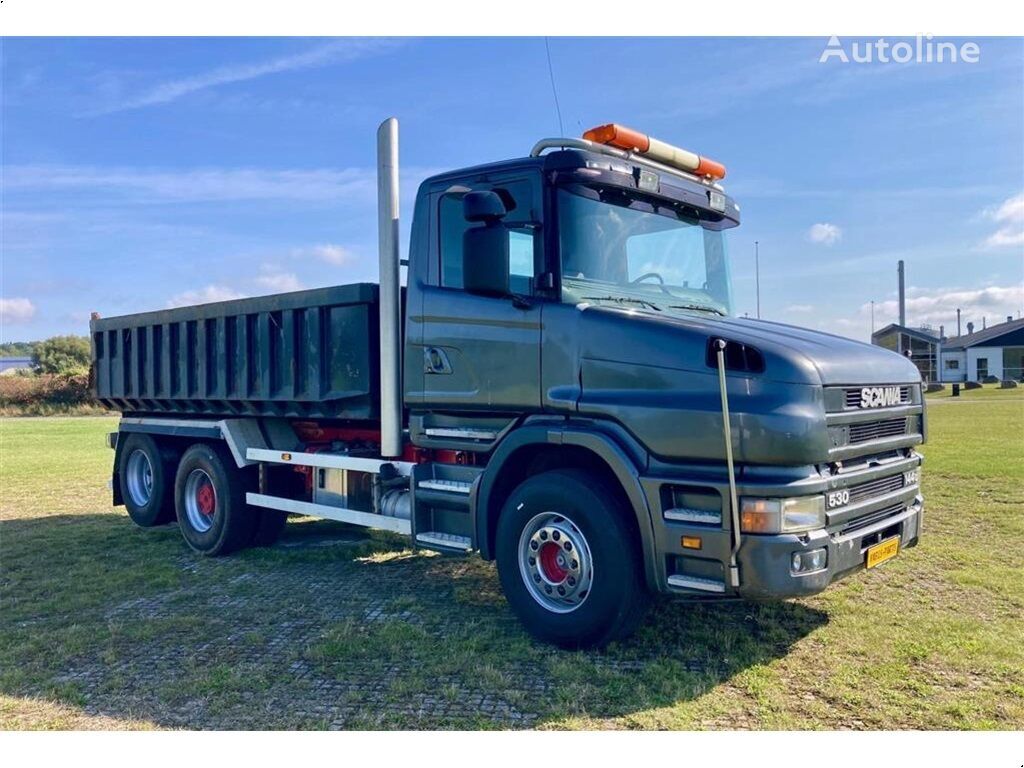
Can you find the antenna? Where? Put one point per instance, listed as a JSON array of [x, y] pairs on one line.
[[757, 277], [554, 89]]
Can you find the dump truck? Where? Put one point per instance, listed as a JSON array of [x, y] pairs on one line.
[[562, 386]]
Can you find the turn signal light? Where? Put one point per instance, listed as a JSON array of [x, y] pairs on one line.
[[620, 136]]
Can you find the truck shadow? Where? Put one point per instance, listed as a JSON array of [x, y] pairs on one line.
[[333, 628]]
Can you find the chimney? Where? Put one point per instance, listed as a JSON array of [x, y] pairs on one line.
[[903, 295], [1009, 318], [970, 328], [958, 321], [942, 331], [983, 322]]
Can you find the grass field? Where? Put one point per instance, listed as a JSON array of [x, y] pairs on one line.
[[103, 625]]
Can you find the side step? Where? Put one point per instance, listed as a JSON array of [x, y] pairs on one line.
[[441, 495], [434, 539], [450, 486], [679, 581]]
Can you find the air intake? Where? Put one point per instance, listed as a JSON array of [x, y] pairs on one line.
[[738, 357]]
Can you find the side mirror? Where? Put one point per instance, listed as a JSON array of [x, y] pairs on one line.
[[485, 206], [485, 250]]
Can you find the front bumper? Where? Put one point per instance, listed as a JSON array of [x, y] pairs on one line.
[[765, 561]]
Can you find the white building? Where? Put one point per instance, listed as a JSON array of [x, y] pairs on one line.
[[995, 351]]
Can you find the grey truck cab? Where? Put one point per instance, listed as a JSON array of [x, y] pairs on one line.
[[577, 400]]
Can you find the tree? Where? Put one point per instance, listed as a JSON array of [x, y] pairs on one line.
[[62, 355]]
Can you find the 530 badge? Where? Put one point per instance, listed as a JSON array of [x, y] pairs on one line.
[[837, 498]]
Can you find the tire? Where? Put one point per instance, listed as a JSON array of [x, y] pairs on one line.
[[145, 474], [269, 525], [573, 527], [209, 498]]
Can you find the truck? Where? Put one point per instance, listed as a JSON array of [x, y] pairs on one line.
[[562, 386]]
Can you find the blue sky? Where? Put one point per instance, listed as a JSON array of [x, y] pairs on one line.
[[143, 173]]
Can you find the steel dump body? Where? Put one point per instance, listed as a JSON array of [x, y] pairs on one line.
[[304, 354]]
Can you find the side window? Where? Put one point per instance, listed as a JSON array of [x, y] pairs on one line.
[[520, 238], [452, 228]]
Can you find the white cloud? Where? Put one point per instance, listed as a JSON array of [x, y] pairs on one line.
[[333, 254], [824, 234], [800, 309], [938, 307], [16, 311], [1009, 216], [205, 295], [332, 53], [145, 185], [276, 281]]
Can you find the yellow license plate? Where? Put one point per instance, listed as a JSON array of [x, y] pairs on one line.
[[879, 553]]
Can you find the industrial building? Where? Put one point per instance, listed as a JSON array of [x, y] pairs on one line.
[[996, 351], [993, 352]]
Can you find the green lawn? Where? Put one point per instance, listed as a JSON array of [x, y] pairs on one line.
[[985, 393], [103, 625]]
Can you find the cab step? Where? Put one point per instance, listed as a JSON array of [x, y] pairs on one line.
[[681, 581], [438, 540], [449, 486], [441, 498]]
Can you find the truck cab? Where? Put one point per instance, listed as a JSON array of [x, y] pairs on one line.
[[579, 402]]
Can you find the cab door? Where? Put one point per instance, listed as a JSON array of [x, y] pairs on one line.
[[481, 354]]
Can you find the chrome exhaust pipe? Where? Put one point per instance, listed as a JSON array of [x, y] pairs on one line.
[[390, 291]]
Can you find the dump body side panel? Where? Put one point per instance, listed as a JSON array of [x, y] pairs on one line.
[[304, 354]]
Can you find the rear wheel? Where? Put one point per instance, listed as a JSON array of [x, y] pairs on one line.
[[569, 562], [209, 498], [145, 474]]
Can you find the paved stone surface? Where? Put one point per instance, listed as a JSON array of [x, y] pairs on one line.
[[246, 632], [335, 630]]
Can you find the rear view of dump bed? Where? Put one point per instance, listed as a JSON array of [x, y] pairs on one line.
[[304, 354]]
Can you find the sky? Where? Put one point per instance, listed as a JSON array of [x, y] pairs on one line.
[[144, 173]]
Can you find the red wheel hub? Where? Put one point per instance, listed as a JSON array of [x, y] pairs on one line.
[[206, 499], [552, 563]]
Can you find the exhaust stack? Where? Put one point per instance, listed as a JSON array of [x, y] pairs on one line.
[[390, 292], [903, 296]]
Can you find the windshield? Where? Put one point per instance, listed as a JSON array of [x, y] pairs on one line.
[[618, 248]]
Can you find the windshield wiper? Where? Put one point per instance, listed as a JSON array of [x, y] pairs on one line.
[[623, 299], [698, 308]]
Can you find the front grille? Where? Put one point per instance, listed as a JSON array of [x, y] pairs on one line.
[[870, 518], [876, 430], [875, 488], [852, 397]]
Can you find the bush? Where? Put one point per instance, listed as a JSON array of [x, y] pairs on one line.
[[62, 356], [46, 394]]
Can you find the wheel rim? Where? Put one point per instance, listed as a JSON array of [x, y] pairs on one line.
[[200, 500], [139, 478], [555, 562]]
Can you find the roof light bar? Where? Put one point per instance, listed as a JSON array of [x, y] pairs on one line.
[[620, 136]]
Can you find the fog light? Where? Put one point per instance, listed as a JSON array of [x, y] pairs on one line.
[[811, 560]]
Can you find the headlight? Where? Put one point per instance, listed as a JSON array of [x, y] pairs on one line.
[[802, 513]]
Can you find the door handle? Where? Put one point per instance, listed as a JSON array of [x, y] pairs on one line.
[[435, 361]]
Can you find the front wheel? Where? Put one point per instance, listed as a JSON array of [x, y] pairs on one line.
[[569, 560]]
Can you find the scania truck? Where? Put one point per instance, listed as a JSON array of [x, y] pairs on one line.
[[562, 386]]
